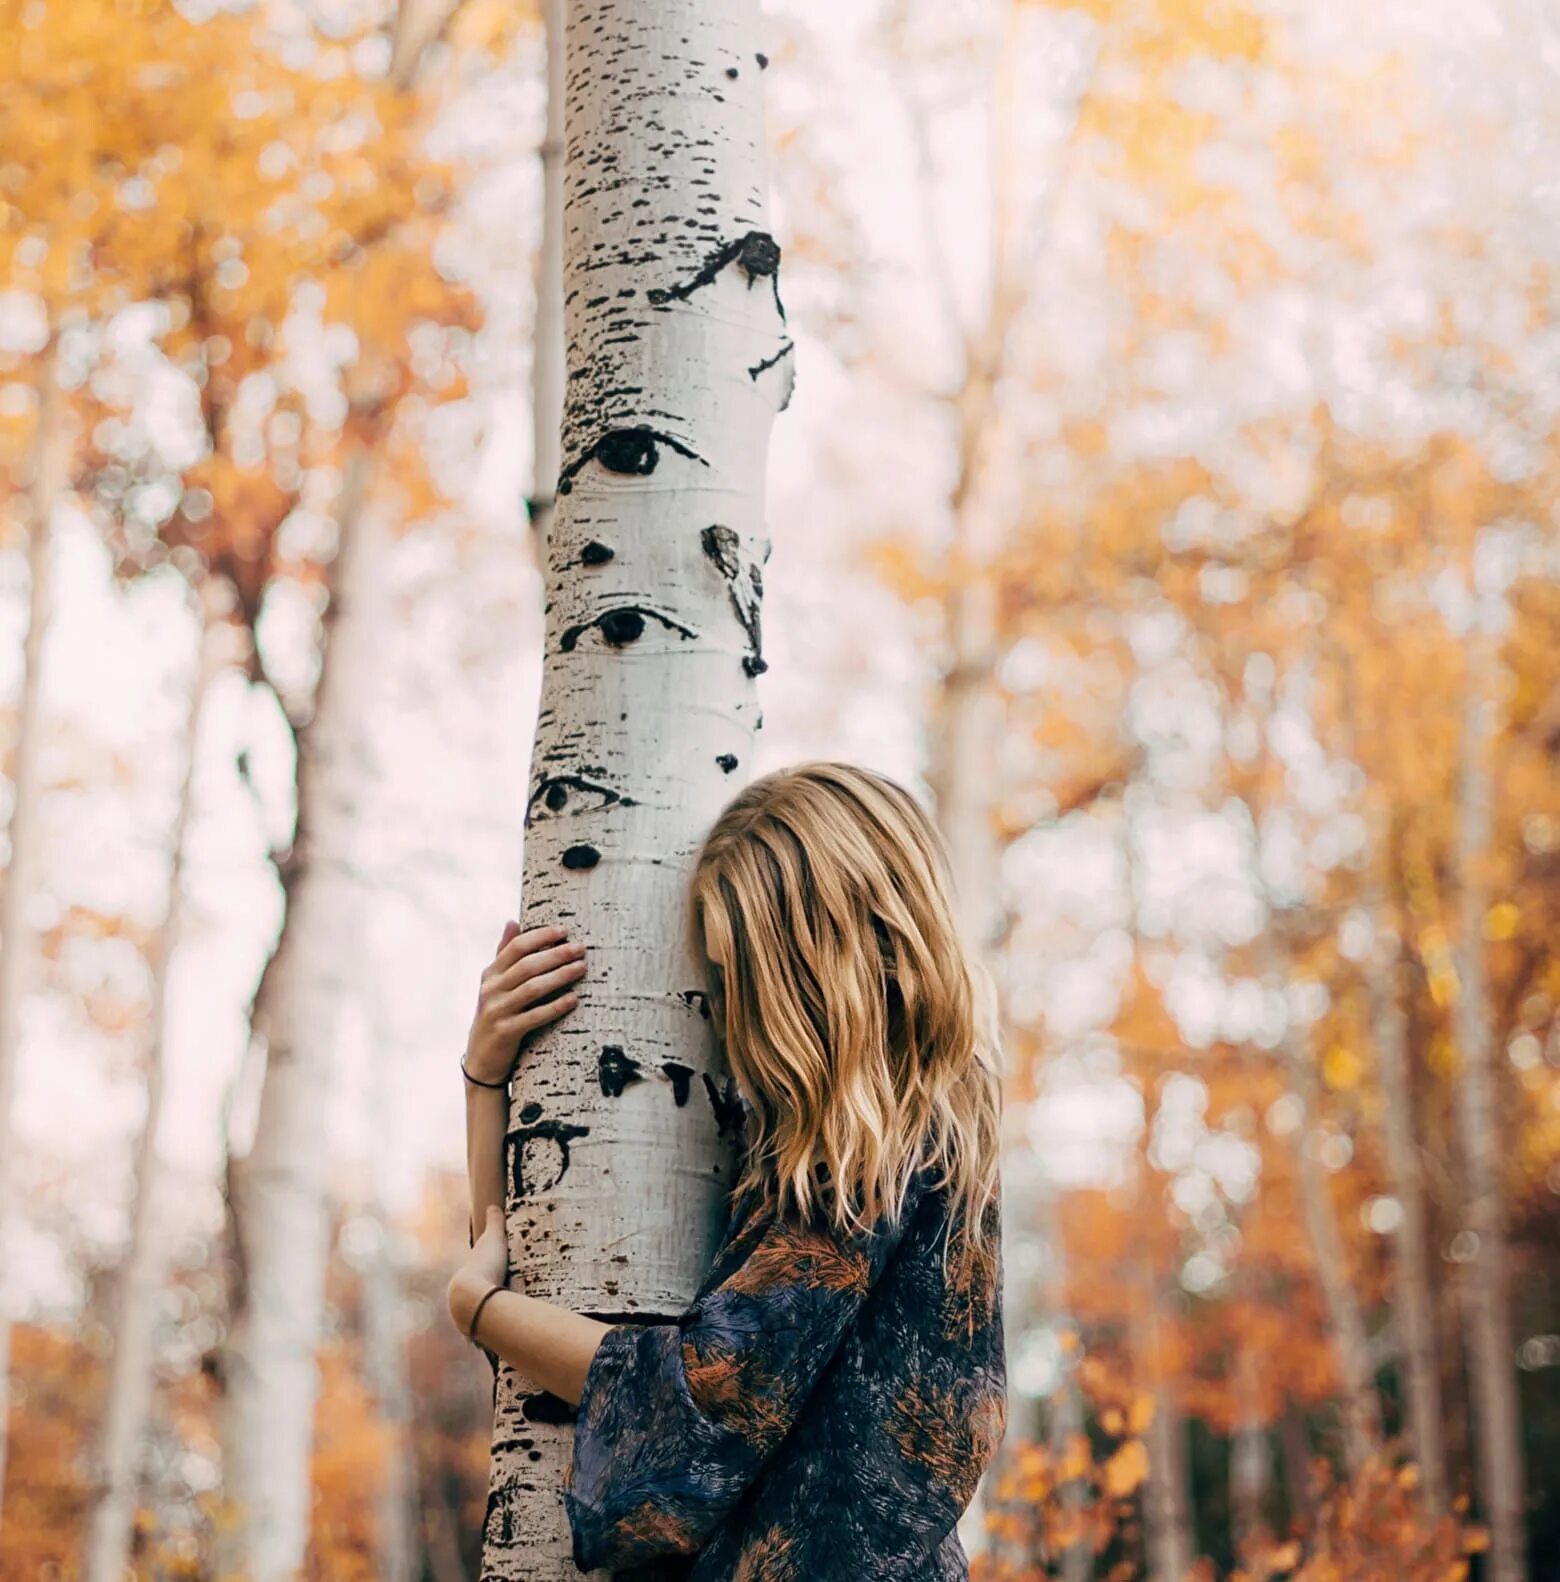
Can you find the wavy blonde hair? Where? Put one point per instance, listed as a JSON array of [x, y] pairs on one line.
[[856, 1023]]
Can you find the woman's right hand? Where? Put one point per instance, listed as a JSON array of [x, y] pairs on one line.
[[513, 1001]]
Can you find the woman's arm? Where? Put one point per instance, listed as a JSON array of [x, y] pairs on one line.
[[526, 986], [523, 988], [551, 1345], [487, 1118]]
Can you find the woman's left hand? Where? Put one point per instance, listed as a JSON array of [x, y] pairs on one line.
[[486, 1265]]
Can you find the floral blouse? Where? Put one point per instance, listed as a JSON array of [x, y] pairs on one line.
[[822, 1411]]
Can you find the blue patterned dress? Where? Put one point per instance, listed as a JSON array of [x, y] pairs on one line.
[[821, 1413]]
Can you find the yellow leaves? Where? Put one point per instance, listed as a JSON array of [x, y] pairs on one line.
[[1141, 1414], [1342, 1068], [1127, 1469], [1500, 922]]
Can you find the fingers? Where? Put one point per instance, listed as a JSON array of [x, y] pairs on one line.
[[515, 945], [527, 1021], [537, 964], [534, 990]]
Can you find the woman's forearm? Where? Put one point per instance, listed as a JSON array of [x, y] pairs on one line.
[[487, 1119], [551, 1346]]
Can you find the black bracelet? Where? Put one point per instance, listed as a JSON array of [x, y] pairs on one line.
[[471, 1328], [477, 1081]]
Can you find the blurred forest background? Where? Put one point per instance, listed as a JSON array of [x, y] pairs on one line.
[[1169, 493]]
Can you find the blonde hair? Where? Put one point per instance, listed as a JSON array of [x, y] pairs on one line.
[[855, 1021]]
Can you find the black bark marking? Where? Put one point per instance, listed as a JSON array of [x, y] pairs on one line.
[[581, 857], [617, 1070], [770, 362], [554, 793], [532, 1112], [532, 1147], [733, 73], [623, 625], [681, 1076], [727, 1108], [633, 452], [727, 762], [595, 554], [721, 546], [545, 1408], [758, 255], [696, 1000], [763, 61]]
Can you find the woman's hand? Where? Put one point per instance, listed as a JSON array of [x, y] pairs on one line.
[[524, 987], [486, 1265]]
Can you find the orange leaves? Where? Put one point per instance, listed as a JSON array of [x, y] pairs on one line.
[[1127, 1470]]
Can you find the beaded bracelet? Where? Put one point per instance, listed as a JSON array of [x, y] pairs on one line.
[[477, 1081], [471, 1328]]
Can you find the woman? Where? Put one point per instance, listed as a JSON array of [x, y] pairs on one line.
[[827, 1404]]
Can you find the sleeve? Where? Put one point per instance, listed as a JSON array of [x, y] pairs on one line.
[[676, 1419]]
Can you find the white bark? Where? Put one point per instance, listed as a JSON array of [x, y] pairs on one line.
[[50, 462], [1167, 1508], [1167, 1498], [547, 358], [277, 1192], [384, 1346], [1359, 1405], [1486, 1302], [130, 1377], [1251, 1460], [1418, 1362], [620, 1144]]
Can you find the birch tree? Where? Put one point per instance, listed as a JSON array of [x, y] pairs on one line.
[[49, 466], [277, 1203], [1486, 1303], [140, 1274], [619, 1153]]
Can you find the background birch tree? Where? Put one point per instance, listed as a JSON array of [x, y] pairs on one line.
[[677, 359]]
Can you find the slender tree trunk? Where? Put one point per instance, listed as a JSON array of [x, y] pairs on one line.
[[130, 1378], [547, 359], [277, 1192], [1486, 1301], [621, 1132], [1167, 1510], [1360, 1407], [50, 461], [1167, 1495], [384, 1345], [1251, 1460], [385, 1360], [1418, 1361]]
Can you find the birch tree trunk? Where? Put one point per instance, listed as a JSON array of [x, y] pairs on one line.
[[1167, 1510], [619, 1153], [130, 1378], [1418, 1360], [50, 462], [1340, 1301], [1167, 1493], [384, 1345], [547, 358], [277, 1192], [1486, 1302]]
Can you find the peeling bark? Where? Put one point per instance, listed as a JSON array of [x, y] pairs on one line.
[[617, 1182], [140, 1276]]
